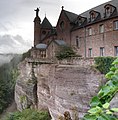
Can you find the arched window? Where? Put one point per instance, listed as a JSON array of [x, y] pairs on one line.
[[108, 11], [93, 16], [77, 41], [62, 25]]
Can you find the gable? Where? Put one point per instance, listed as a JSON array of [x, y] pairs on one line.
[[67, 16]]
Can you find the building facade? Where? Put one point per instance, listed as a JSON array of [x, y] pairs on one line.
[[92, 33]]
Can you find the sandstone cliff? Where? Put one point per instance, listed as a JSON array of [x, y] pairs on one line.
[[57, 87]]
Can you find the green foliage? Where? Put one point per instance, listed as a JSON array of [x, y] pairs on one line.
[[103, 64], [8, 75], [29, 114], [100, 104], [23, 98], [65, 52], [26, 55]]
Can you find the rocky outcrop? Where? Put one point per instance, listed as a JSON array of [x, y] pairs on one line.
[[57, 87]]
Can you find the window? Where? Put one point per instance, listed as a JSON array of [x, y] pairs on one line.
[[77, 41], [43, 32], [116, 25], [101, 51], [92, 16], [89, 31], [116, 50], [43, 53], [101, 28], [108, 11], [62, 25], [90, 52]]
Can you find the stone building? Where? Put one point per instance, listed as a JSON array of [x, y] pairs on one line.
[[92, 33]]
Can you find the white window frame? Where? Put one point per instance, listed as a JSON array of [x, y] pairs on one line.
[[89, 31], [116, 50], [90, 52], [116, 25], [101, 51], [77, 41], [101, 28]]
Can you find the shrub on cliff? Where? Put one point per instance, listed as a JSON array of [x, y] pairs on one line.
[[103, 64], [29, 114], [26, 55], [65, 52]]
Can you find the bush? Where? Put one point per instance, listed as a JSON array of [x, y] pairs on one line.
[[26, 55], [65, 52], [103, 64], [100, 104], [29, 114]]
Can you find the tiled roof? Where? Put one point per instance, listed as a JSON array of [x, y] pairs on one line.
[[71, 16], [46, 24], [100, 9]]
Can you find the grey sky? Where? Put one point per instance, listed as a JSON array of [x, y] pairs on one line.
[[16, 18]]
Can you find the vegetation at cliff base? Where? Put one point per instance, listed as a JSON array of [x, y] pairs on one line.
[[29, 114], [8, 75]]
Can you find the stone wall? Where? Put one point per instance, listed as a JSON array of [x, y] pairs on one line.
[[60, 87]]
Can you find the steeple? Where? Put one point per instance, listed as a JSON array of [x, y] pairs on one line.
[[46, 24], [37, 28]]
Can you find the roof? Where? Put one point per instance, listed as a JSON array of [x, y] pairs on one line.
[[41, 46], [100, 9], [60, 42], [71, 16], [46, 24]]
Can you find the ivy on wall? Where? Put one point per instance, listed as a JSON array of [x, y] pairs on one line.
[[100, 104]]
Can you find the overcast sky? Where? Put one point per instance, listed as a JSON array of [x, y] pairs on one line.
[[16, 19]]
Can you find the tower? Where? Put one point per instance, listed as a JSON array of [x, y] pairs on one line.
[[37, 28]]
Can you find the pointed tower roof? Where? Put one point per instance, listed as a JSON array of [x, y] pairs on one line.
[[46, 24]]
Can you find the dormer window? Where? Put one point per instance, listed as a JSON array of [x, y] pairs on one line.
[[80, 20], [93, 15], [108, 12], [109, 9]]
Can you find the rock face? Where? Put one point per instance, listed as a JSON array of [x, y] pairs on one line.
[[57, 87]]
